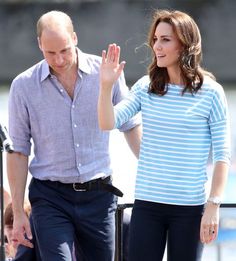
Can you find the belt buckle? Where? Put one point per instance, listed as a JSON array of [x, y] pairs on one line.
[[76, 189]]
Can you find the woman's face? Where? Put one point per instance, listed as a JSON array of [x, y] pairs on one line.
[[167, 47]]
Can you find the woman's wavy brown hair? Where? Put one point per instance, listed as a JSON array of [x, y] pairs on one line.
[[190, 58]]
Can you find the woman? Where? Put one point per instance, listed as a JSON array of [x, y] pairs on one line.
[[184, 113]]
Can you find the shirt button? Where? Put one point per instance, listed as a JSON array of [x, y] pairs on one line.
[[61, 90], [73, 106], [75, 125], [79, 165], [77, 145]]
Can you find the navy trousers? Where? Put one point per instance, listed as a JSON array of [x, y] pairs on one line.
[[154, 224], [67, 222]]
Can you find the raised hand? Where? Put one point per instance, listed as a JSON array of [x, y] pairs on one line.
[[110, 68]]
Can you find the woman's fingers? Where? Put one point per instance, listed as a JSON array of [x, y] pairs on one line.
[[121, 67], [103, 56], [117, 54], [208, 233], [111, 68], [112, 55], [109, 53]]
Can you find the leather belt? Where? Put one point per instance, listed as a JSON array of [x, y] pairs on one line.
[[97, 184]]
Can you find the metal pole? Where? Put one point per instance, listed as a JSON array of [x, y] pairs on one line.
[[2, 254], [119, 230], [5, 145]]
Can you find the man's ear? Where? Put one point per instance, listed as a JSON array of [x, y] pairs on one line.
[[39, 43], [75, 38]]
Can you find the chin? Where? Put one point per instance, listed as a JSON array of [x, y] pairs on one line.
[[160, 65]]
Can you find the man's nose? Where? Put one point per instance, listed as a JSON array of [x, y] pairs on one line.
[[59, 59]]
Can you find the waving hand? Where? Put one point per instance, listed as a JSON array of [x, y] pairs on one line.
[[110, 69]]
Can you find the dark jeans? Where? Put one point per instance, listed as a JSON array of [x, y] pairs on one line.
[[154, 224], [63, 218]]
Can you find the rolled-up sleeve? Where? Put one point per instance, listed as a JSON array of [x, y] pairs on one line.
[[19, 126]]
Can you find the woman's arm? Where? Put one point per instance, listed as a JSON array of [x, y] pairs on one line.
[[110, 71], [133, 138], [210, 219]]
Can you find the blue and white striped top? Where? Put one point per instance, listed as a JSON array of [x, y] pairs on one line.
[[178, 132]]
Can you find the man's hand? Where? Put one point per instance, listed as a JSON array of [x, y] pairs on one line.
[[21, 230]]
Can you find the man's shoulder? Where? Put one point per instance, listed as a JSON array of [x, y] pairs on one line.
[[89, 62], [90, 56], [94, 60], [30, 73], [93, 56]]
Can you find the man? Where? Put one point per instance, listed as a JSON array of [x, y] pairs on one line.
[[54, 103], [6, 197]]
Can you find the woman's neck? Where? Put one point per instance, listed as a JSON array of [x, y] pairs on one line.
[[175, 77]]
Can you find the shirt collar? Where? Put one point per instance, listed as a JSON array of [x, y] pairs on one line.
[[45, 72], [82, 61]]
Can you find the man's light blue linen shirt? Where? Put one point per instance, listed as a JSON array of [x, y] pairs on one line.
[[68, 144]]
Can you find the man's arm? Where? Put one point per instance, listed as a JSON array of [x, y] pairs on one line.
[[17, 171], [7, 198], [133, 138]]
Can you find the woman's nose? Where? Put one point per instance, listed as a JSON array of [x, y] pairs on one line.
[[157, 45]]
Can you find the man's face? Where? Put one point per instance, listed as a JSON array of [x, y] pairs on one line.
[[59, 50]]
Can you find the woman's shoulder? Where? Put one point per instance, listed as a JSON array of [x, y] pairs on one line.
[[142, 83], [210, 84]]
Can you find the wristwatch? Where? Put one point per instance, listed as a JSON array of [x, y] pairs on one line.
[[214, 200]]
